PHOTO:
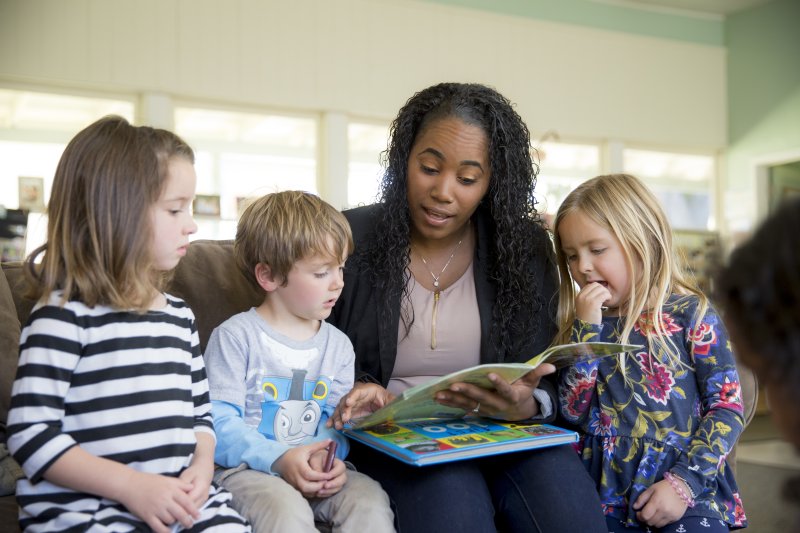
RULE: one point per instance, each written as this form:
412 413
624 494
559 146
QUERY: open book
441 441
417 430
418 403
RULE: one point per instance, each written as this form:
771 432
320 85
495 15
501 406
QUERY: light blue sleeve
238 443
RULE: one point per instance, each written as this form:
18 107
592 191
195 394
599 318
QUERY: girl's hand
506 402
160 501
295 467
200 479
363 399
660 505
589 303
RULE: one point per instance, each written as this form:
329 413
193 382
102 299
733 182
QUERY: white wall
366 57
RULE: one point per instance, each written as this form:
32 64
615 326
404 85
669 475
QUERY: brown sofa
210 283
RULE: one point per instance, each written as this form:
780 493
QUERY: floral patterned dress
679 418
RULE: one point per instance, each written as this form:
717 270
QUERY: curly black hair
509 203
759 290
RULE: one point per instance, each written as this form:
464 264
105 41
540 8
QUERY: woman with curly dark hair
452 268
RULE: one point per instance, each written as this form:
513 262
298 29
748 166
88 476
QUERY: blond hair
625 207
282 228
99 234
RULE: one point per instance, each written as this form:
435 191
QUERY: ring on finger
477 408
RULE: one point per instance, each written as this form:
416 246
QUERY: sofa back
207 278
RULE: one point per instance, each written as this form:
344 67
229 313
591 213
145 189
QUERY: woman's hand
589 303
363 399
506 402
660 505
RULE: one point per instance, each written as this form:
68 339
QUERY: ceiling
714 7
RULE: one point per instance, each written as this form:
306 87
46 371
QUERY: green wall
667 24
763 87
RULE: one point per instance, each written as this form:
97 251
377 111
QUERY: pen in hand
330 457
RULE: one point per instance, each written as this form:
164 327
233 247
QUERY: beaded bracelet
678 484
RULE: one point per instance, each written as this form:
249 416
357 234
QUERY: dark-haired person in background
759 290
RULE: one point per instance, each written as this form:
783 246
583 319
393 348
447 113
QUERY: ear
265 278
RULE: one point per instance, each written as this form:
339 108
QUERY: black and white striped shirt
125 386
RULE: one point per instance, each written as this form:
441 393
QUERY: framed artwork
31 194
206 205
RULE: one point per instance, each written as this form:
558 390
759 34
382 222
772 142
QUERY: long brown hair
99 234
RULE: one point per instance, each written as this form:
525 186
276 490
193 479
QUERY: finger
157 525
643 498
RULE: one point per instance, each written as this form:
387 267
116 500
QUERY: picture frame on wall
206 205
31 194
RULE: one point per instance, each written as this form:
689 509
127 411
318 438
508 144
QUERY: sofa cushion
9 350
208 279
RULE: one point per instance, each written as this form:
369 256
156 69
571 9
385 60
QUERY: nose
191 227
443 188
584 264
337 280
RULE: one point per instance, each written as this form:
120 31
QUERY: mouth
435 216
599 282
329 303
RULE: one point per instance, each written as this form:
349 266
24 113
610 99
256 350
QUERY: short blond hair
282 228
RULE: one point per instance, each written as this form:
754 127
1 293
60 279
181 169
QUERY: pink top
457 333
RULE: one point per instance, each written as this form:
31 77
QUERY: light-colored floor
775 453
765 464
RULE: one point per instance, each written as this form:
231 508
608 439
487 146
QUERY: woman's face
448 175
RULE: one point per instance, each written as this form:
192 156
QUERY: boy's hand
337 481
294 466
589 303
160 501
363 399
660 505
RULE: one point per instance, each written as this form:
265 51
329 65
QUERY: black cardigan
375 343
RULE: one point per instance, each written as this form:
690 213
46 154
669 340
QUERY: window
365 144
35 128
682 182
242 155
562 167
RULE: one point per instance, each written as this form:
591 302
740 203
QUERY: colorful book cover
418 403
432 442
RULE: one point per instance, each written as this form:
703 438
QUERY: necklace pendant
436 283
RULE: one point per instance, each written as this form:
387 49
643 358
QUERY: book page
418 403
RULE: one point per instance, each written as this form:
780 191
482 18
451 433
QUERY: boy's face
312 288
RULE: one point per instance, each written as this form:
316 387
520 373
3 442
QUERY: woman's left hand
506 402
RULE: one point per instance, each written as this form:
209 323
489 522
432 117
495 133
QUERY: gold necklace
434 276
436 291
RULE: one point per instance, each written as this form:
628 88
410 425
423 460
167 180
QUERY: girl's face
595 255
171 215
448 175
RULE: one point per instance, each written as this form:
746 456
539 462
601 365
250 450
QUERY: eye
309 415
598 251
428 170
467 180
320 275
571 257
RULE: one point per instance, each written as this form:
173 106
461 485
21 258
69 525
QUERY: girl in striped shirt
110 415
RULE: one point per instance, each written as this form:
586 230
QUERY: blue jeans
539 491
